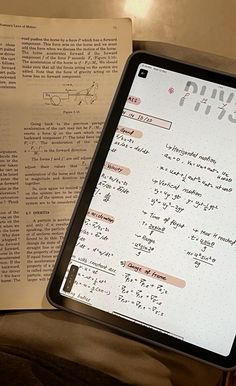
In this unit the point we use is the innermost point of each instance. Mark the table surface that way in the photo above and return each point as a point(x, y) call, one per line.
point(203, 25)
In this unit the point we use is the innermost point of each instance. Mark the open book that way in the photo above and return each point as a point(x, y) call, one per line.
point(57, 79)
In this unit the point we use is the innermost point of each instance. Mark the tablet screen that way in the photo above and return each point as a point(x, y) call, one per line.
point(157, 246)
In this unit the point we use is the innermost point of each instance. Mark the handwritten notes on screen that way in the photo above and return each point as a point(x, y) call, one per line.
point(158, 243)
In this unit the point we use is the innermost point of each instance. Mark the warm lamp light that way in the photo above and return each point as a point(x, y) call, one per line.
point(137, 8)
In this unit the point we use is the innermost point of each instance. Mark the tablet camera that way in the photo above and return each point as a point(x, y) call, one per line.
point(143, 73)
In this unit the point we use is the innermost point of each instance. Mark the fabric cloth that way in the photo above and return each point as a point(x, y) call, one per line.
point(25, 368)
point(90, 344)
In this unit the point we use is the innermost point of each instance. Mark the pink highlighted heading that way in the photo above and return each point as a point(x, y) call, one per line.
point(131, 132)
point(116, 168)
point(100, 216)
point(155, 274)
point(134, 100)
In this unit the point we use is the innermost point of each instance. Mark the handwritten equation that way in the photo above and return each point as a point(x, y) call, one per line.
point(142, 294)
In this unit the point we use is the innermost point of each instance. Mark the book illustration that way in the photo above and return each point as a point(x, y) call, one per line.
point(87, 95)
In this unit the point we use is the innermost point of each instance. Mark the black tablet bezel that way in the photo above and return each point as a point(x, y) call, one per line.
point(148, 334)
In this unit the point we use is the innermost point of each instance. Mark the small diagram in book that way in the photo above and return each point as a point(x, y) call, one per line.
point(87, 96)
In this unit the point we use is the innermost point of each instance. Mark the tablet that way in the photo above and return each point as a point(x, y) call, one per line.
point(151, 247)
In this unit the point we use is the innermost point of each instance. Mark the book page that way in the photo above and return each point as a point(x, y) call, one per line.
point(158, 244)
point(57, 79)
